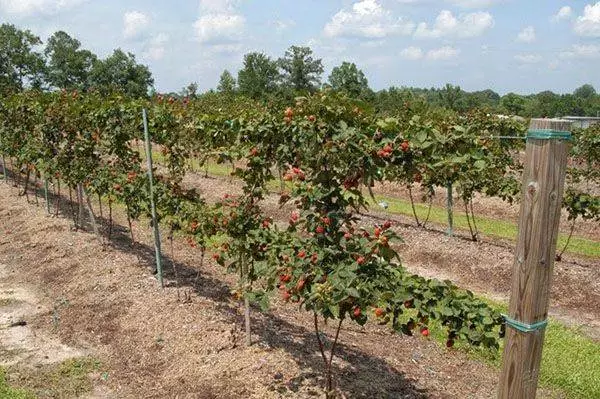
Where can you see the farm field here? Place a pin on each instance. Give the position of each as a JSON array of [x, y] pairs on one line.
[[104, 306]]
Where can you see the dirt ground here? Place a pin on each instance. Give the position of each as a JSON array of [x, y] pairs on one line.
[[78, 297]]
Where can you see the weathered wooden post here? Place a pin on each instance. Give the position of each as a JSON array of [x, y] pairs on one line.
[[542, 193], [159, 270]]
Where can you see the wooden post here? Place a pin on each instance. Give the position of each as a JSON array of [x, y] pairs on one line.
[[157, 251], [543, 184]]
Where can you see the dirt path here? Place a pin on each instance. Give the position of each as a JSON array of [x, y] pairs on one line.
[[483, 267], [152, 345]]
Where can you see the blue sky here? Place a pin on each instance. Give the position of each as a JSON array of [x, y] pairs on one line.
[[507, 45]]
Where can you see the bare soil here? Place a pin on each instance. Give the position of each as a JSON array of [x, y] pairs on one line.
[[104, 301]]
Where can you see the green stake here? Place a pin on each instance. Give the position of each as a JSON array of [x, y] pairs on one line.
[[46, 194], [449, 205], [159, 270]]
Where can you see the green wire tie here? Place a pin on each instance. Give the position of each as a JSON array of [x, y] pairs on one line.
[[548, 134], [524, 327]]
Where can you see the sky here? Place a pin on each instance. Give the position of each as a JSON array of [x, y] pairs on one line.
[[506, 45]]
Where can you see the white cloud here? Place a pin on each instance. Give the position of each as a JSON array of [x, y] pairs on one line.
[[367, 19], [282, 25], [134, 23], [527, 35], [589, 51], [219, 23], [447, 25], [528, 58], [412, 53], [473, 3], [442, 53], [589, 23], [30, 7], [565, 12], [219, 27], [155, 49], [218, 6]]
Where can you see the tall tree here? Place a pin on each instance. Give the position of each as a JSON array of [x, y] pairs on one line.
[[451, 97], [513, 103], [585, 92], [300, 70], [259, 75], [226, 83], [121, 72], [190, 90], [20, 65], [69, 66], [349, 79]]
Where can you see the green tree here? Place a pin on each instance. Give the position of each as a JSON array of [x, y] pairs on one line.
[[19, 64], [300, 70], [121, 72], [190, 90], [349, 79], [69, 66], [259, 75], [513, 103], [585, 92], [227, 83], [451, 97]]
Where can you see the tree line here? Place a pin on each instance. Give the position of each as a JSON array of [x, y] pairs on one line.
[[63, 64]]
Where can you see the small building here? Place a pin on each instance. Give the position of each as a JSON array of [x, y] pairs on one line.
[[582, 122]]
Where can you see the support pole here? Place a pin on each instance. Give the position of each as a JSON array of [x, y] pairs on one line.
[[4, 174], [159, 270], [449, 206], [46, 195], [542, 192]]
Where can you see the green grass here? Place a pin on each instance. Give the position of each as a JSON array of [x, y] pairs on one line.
[[7, 392], [570, 360], [487, 226], [69, 379]]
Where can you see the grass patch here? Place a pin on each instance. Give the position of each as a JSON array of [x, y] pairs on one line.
[[69, 379], [570, 360], [489, 227], [8, 392]]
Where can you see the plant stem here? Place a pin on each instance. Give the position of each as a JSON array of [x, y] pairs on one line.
[[412, 204], [329, 373], [559, 256]]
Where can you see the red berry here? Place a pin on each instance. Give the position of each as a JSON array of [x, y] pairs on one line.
[[253, 152], [360, 260], [387, 224], [289, 112], [320, 230], [285, 295], [314, 258], [357, 312], [347, 236], [302, 254], [326, 221], [216, 257], [377, 232], [312, 118], [425, 332], [405, 146], [387, 148], [266, 223], [285, 278], [379, 312]]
